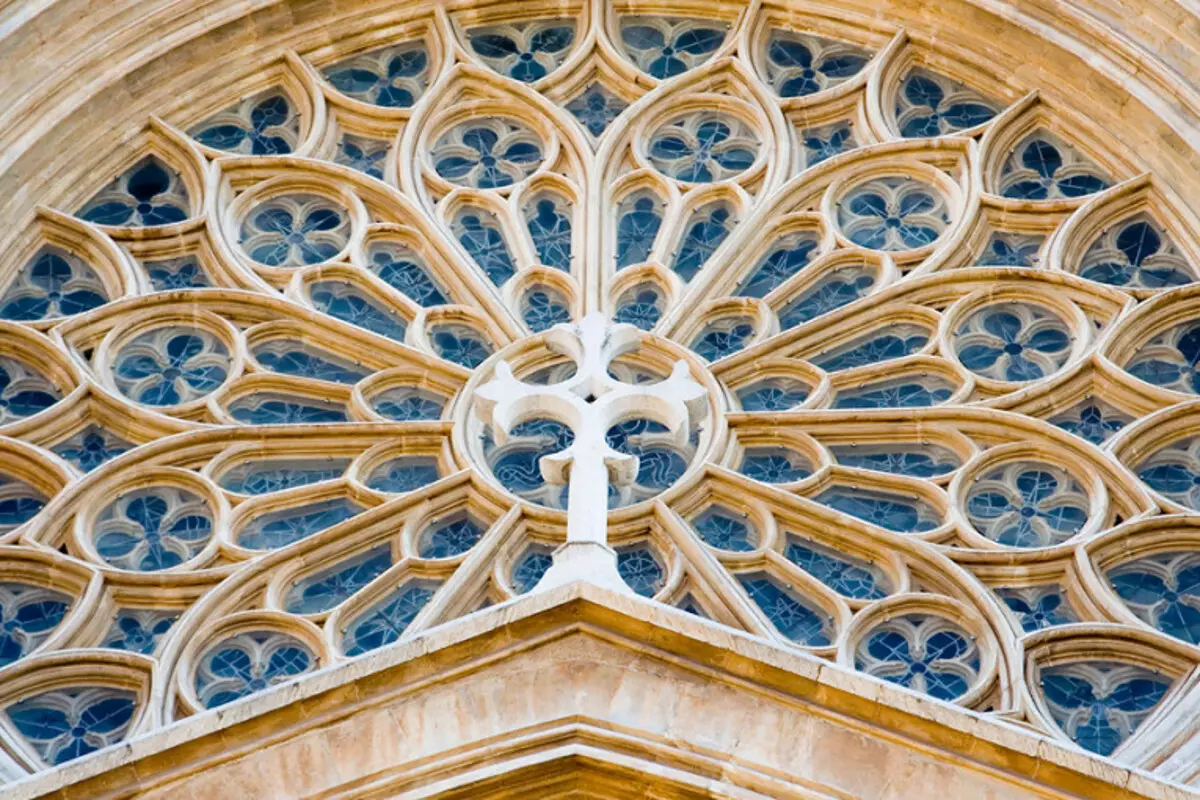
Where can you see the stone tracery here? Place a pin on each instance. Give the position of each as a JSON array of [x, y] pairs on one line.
[[949, 346]]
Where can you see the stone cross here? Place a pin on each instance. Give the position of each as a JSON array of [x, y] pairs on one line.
[[589, 403]]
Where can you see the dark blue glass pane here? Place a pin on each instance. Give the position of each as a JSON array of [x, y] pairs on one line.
[[792, 618]]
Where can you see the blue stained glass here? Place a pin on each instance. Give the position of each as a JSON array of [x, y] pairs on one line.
[[926, 654], [153, 528], [280, 528], [774, 465], [362, 153], [139, 631], [248, 663], [688, 603], [28, 615], [702, 148], [665, 47], [1013, 342], [1163, 590], [1171, 360], [171, 365], [386, 622], [409, 404], [529, 569], [723, 338], [460, 344], [1045, 168], [450, 538], [487, 154], [596, 108], [831, 293], [847, 576], [640, 569], [1092, 420], [773, 394], [404, 474], [550, 229], [893, 214], [91, 447], [544, 309], [1037, 607], [262, 126], [706, 229], [304, 362], [295, 230], [1099, 704], [276, 475], [177, 273], [517, 464], [1011, 250], [894, 512], [23, 391], [930, 105], [1137, 254], [1172, 472], [928, 462], [280, 409], [342, 301], [799, 65], [637, 230], [878, 348], [328, 588], [392, 77], [19, 503], [148, 193], [64, 724], [659, 463], [728, 530], [1028, 504], [640, 308], [784, 261], [483, 241], [794, 619], [403, 271], [525, 52], [53, 283], [894, 394], [822, 144]]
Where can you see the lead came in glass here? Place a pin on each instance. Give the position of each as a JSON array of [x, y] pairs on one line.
[[848, 576], [391, 77], [277, 529], [524, 51], [799, 64], [64, 724], [54, 283], [153, 529], [794, 619], [1098, 704], [921, 652], [328, 588], [665, 47], [386, 622], [250, 662]]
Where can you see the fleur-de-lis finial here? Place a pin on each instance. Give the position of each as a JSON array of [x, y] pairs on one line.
[[589, 403]]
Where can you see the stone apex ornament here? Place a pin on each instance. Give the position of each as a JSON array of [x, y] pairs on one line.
[[589, 403]]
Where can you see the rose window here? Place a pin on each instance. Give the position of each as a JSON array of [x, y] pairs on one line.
[[823, 338]]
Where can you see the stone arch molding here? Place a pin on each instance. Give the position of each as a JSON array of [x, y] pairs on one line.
[[942, 314]]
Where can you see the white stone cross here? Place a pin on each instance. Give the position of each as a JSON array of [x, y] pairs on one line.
[[590, 403]]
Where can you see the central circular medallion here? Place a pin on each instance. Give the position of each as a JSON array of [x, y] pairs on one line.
[[638, 406]]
